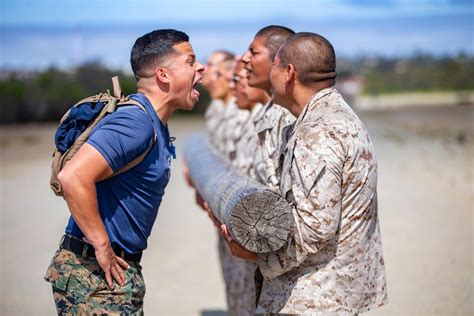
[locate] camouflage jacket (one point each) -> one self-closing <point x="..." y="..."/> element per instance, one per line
<point x="333" y="263"/>
<point x="272" y="124"/>
<point x="246" y="144"/>
<point x="213" y="117"/>
<point x="228" y="129"/>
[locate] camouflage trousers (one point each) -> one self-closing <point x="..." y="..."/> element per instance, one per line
<point x="79" y="287"/>
<point x="239" y="281"/>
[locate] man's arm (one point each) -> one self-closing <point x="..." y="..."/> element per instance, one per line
<point x="78" y="180"/>
<point x="316" y="179"/>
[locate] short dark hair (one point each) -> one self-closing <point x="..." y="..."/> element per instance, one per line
<point x="275" y="36"/>
<point x="151" y="48"/>
<point x="312" y="55"/>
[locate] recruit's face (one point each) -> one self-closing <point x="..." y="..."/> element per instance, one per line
<point x="215" y="77"/>
<point x="278" y="77"/>
<point x="211" y="67"/>
<point x="238" y="85"/>
<point x="258" y="64"/>
<point x="220" y="87"/>
<point x="185" y="73"/>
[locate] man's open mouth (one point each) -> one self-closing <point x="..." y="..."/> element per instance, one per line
<point x="194" y="92"/>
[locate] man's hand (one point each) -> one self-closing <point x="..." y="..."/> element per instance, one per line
<point x="235" y="248"/>
<point x="112" y="265"/>
<point x="214" y="220"/>
<point x="199" y="200"/>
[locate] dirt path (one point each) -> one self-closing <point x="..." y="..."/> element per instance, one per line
<point x="426" y="212"/>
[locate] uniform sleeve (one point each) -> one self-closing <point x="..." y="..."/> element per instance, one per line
<point x="315" y="178"/>
<point x="123" y="136"/>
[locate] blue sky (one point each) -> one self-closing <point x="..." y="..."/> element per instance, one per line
<point x="38" y="33"/>
<point x="73" y="12"/>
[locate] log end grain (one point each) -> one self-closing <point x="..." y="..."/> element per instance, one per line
<point x="261" y="222"/>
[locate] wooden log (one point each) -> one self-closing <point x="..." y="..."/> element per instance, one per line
<point x="258" y="219"/>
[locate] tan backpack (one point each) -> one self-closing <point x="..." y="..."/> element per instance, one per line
<point x="111" y="103"/>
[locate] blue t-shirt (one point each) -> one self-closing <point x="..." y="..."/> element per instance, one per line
<point x="129" y="202"/>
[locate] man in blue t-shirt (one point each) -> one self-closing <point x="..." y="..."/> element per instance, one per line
<point x="97" y="270"/>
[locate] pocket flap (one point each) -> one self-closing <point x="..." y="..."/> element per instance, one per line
<point x="58" y="275"/>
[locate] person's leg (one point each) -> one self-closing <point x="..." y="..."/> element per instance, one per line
<point x="79" y="287"/>
<point x="67" y="303"/>
<point x="239" y="282"/>
<point x="126" y="300"/>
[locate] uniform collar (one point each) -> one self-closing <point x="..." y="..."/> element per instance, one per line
<point x="256" y="110"/>
<point x="261" y="113"/>
<point x="312" y="104"/>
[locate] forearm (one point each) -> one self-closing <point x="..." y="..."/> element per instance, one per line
<point x="290" y="256"/>
<point x="81" y="198"/>
<point x="313" y="229"/>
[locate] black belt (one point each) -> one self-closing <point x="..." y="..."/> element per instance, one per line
<point x="81" y="248"/>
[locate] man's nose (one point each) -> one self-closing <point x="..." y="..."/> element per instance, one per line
<point x="200" y="68"/>
<point x="246" y="57"/>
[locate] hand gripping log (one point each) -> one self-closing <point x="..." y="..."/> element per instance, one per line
<point x="258" y="219"/>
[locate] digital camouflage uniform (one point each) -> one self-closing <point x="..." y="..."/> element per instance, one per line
<point x="213" y="118"/>
<point x="233" y="119"/>
<point x="224" y="128"/>
<point x="239" y="282"/>
<point x="333" y="263"/>
<point x="79" y="287"/>
<point x="246" y="144"/>
<point x="272" y="124"/>
<point x="238" y="273"/>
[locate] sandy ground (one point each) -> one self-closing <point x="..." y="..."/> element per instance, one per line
<point x="426" y="198"/>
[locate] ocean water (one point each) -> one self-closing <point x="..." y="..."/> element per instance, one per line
<point x="36" y="47"/>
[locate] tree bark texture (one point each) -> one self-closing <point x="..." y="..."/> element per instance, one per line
<point x="258" y="219"/>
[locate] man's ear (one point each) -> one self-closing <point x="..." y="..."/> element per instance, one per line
<point x="162" y="74"/>
<point x="290" y="74"/>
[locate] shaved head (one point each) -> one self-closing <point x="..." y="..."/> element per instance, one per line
<point x="312" y="56"/>
<point x="275" y="36"/>
<point x="225" y="58"/>
<point x="218" y="65"/>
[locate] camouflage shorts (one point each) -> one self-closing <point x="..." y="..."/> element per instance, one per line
<point x="79" y="287"/>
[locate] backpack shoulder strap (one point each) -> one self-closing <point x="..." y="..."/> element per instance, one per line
<point x="117" y="88"/>
<point x="135" y="161"/>
<point x="140" y="158"/>
<point x="132" y="102"/>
